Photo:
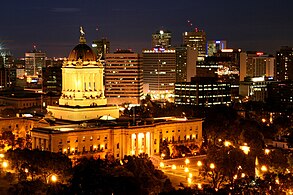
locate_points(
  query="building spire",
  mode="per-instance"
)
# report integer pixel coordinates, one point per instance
(82, 38)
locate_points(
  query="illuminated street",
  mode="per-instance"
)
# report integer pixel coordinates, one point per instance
(178, 171)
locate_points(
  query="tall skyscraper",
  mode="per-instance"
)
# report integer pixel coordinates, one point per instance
(214, 46)
(186, 58)
(34, 62)
(196, 39)
(284, 64)
(161, 39)
(123, 77)
(159, 71)
(52, 77)
(256, 64)
(101, 47)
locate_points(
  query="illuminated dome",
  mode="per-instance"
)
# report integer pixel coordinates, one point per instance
(82, 51)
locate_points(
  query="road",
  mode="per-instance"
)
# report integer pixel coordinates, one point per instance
(180, 174)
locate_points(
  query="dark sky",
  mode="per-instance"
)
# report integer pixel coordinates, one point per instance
(53, 25)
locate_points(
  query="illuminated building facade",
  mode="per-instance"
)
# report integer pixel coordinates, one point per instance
(284, 64)
(161, 39)
(52, 80)
(159, 70)
(203, 92)
(196, 39)
(118, 140)
(186, 58)
(123, 77)
(256, 89)
(280, 96)
(82, 87)
(101, 47)
(216, 45)
(256, 64)
(83, 132)
(34, 62)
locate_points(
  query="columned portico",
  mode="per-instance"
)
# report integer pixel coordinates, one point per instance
(140, 143)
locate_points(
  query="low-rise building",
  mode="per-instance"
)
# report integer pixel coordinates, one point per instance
(118, 139)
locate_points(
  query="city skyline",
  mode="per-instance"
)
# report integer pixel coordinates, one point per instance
(53, 25)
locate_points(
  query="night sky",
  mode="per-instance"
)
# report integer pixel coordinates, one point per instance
(53, 25)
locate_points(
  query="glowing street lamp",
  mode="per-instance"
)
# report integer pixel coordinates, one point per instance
(162, 165)
(174, 167)
(54, 178)
(227, 143)
(186, 170)
(199, 186)
(245, 149)
(267, 151)
(264, 168)
(199, 163)
(187, 161)
(5, 164)
(189, 180)
(212, 166)
(1, 155)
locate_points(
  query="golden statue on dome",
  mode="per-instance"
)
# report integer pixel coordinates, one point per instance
(81, 31)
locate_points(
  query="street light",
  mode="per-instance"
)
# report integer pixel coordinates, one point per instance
(187, 161)
(174, 167)
(54, 178)
(199, 186)
(189, 180)
(199, 163)
(264, 168)
(267, 151)
(212, 165)
(162, 165)
(245, 149)
(5, 164)
(227, 143)
(186, 170)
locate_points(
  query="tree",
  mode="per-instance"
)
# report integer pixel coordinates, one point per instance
(221, 122)
(132, 175)
(9, 137)
(39, 164)
(229, 164)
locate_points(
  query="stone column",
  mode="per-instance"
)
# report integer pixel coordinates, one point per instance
(144, 143)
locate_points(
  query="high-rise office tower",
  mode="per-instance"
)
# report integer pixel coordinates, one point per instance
(34, 62)
(186, 58)
(256, 64)
(123, 77)
(101, 47)
(196, 39)
(159, 71)
(216, 45)
(284, 64)
(162, 39)
(52, 77)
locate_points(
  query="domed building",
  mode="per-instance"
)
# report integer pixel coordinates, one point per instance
(82, 87)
